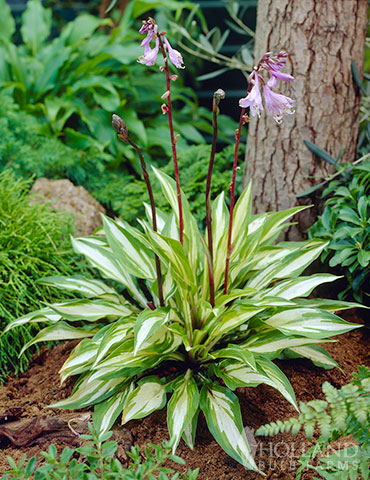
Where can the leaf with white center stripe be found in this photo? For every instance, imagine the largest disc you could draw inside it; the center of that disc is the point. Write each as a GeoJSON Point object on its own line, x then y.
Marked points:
{"type": "Point", "coordinates": [274, 342]}
{"type": "Point", "coordinates": [103, 259]}
{"type": "Point", "coordinates": [115, 335]}
{"type": "Point", "coordinates": [87, 393]}
{"type": "Point", "coordinates": [61, 331]}
{"type": "Point", "coordinates": [161, 216]}
{"type": "Point", "coordinates": [291, 266]}
{"type": "Point", "coordinates": [277, 379]}
{"type": "Point", "coordinates": [149, 396]}
{"type": "Point", "coordinates": [147, 323]}
{"type": "Point", "coordinates": [300, 287]}
{"type": "Point", "coordinates": [86, 287]}
{"type": "Point", "coordinates": [329, 305]}
{"type": "Point", "coordinates": [133, 254]}
{"type": "Point", "coordinates": [81, 359]}
{"type": "Point", "coordinates": [232, 318]}
{"type": "Point", "coordinates": [190, 431]}
{"type": "Point", "coordinates": [274, 222]}
{"type": "Point", "coordinates": [242, 214]}
{"type": "Point", "coordinates": [309, 322]}
{"type": "Point", "coordinates": [316, 354]}
{"type": "Point", "coordinates": [222, 411]}
{"type": "Point", "coordinates": [43, 315]}
{"type": "Point", "coordinates": [182, 407]}
{"type": "Point", "coordinates": [90, 310]}
{"type": "Point", "coordinates": [235, 352]}
{"type": "Point", "coordinates": [107, 412]}
{"type": "Point", "coordinates": [220, 219]}
{"type": "Point", "coordinates": [237, 375]}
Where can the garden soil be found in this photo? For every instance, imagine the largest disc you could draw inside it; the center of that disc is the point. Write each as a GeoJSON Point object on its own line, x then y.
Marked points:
{"type": "Point", "coordinates": [27, 396]}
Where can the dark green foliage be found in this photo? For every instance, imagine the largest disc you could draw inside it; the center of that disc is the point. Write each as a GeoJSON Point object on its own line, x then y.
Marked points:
{"type": "Point", "coordinates": [345, 223]}
{"type": "Point", "coordinates": [34, 242]}
{"type": "Point", "coordinates": [98, 462]}
{"type": "Point", "coordinates": [345, 411]}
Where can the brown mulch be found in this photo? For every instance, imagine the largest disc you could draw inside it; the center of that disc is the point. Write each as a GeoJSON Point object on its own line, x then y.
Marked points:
{"type": "Point", "coordinates": [25, 399]}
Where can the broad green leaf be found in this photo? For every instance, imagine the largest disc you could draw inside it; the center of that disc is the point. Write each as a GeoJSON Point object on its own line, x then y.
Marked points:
{"type": "Point", "coordinates": [60, 331]}
{"type": "Point", "coordinates": [7, 23]}
{"type": "Point", "coordinates": [89, 310]}
{"type": "Point", "coordinates": [299, 287]}
{"type": "Point", "coordinates": [309, 322]}
{"type": "Point", "coordinates": [182, 407]}
{"type": "Point", "coordinates": [86, 287]}
{"type": "Point", "coordinates": [149, 396]}
{"type": "Point", "coordinates": [147, 323]}
{"type": "Point", "coordinates": [222, 411]}
{"type": "Point", "coordinates": [135, 256]}
{"type": "Point", "coordinates": [88, 392]}
{"type": "Point", "coordinates": [36, 25]}
{"type": "Point", "coordinates": [83, 26]}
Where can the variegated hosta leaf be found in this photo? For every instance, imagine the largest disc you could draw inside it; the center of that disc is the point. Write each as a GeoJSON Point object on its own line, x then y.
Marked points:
{"type": "Point", "coordinates": [277, 379]}
{"type": "Point", "coordinates": [88, 392]}
{"type": "Point", "coordinates": [147, 323]}
{"type": "Point", "coordinates": [103, 259]}
{"type": "Point", "coordinates": [291, 266]}
{"type": "Point", "coordinates": [309, 322]}
{"type": "Point", "coordinates": [81, 359]}
{"type": "Point", "coordinates": [222, 411]}
{"type": "Point", "coordinates": [190, 431]}
{"type": "Point", "coordinates": [114, 336]}
{"type": "Point", "coordinates": [329, 305]}
{"type": "Point", "coordinates": [317, 354]}
{"type": "Point", "coordinates": [299, 287]}
{"type": "Point", "coordinates": [220, 221]}
{"type": "Point", "coordinates": [43, 315]}
{"type": "Point", "coordinates": [90, 310]}
{"type": "Point", "coordinates": [61, 331]}
{"type": "Point", "coordinates": [107, 412]}
{"type": "Point", "coordinates": [85, 286]}
{"type": "Point", "coordinates": [172, 252]}
{"type": "Point", "coordinates": [133, 254]}
{"type": "Point", "coordinates": [274, 222]}
{"type": "Point", "coordinates": [191, 231]}
{"type": "Point", "coordinates": [149, 396]}
{"type": "Point", "coordinates": [273, 342]}
{"type": "Point", "coordinates": [242, 214]}
{"type": "Point", "coordinates": [236, 352]}
{"type": "Point", "coordinates": [161, 216]}
{"type": "Point", "coordinates": [182, 407]}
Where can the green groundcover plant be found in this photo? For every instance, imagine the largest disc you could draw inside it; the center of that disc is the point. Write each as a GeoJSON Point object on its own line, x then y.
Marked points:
{"type": "Point", "coordinates": [196, 316]}
{"type": "Point", "coordinates": [34, 241]}
{"type": "Point", "coordinates": [345, 223]}
{"type": "Point", "coordinates": [345, 411]}
{"type": "Point", "coordinates": [98, 462]}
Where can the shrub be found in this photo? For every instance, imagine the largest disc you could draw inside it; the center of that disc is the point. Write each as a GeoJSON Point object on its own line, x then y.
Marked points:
{"type": "Point", "coordinates": [345, 411]}
{"type": "Point", "coordinates": [34, 241]}
{"type": "Point", "coordinates": [98, 463]}
{"type": "Point", "coordinates": [345, 224]}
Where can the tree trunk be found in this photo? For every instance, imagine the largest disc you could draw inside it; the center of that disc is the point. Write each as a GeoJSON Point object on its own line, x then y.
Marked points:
{"type": "Point", "coordinates": [322, 38]}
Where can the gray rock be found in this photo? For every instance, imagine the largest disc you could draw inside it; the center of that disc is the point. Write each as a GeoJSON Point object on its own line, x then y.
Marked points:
{"type": "Point", "coordinates": [63, 195]}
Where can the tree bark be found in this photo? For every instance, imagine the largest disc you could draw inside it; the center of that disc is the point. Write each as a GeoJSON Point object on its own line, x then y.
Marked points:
{"type": "Point", "coordinates": [322, 37]}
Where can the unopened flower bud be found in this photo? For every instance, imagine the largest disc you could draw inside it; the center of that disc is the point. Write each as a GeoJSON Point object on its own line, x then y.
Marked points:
{"type": "Point", "coordinates": [166, 94]}
{"type": "Point", "coordinates": [174, 77]}
{"type": "Point", "coordinates": [120, 127]}
{"type": "Point", "coordinates": [164, 108]}
{"type": "Point", "coordinates": [219, 95]}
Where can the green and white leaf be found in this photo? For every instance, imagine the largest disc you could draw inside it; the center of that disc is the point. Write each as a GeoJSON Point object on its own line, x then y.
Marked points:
{"type": "Point", "coordinates": [182, 407]}
{"type": "Point", "coordinates": [147, 323]}
{"type": "Point", "coordinates": [43, 315]}
{"type": "Point", "coordinates": [149, 396]}
{"type": "Point", "coordinates": [222, 411]}
{"type": "Point", "coordinates": [107, 412]}
{"type": "Point", "coordinates": [299, 287]}
{"type": "Point", "coordinates": [90, 310]}
{"type": "Point", "coordinates": [317, 354]}
{"type": "Point", "coordinates": [86, 287]}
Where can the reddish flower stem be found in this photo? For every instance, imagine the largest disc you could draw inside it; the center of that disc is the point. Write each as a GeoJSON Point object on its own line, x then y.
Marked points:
{"type": "Point", "coordinates": [154, 216]}
{"type": "Point", "coordinates": [173, 140]}
{"type": "Point", "coordinates": [232, 199]}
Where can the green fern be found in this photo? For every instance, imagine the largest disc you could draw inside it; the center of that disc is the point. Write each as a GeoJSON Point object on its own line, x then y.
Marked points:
{"type": "Point", "coordinates": [344, 411]}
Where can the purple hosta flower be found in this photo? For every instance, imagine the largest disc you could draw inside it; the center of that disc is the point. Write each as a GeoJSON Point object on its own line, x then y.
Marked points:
{"type": "Point", "coordinates": [150, 54]}
{"type": "Point", "coordinates": [253, 99]}
{"type": "Point", "coordinates": [276, 104]}
{"type": "Point", "coordinates": [174, 55]}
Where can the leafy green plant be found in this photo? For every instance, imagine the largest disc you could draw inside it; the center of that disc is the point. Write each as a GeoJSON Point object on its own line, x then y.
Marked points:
{"type": "Point", "coordinates": [345, 411]}
{"type": "Point", "coordinates": [345, 223]}
{"type": "Point", "coordinates": [98, 462]}
{"type": "Point", "coordinates": [75, 81]}
{"type": "Point", "coordinates": [194, 316]}
{"type": "Point", "coordinates": [34, 241]}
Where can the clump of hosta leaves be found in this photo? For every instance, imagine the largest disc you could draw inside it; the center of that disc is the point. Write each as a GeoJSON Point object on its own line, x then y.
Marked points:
{"type": "Point", "coordinates": [98, 462]}
{"type": "Point", "coordinates": [136, 356]}
{"type": "Point", "coordinates": [345, 411]}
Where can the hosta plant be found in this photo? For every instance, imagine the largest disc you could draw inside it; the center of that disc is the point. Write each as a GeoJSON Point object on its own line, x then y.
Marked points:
{"type": "Point", "coordinates": [193, 316]}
